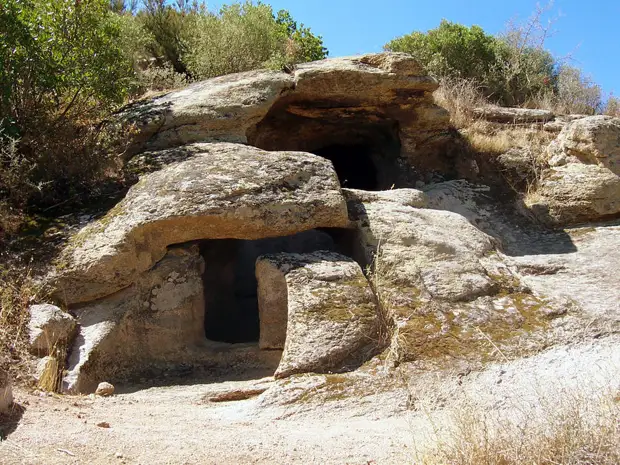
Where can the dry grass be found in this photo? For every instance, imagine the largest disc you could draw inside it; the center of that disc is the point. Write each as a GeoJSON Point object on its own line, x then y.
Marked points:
{"type": "Point", "coordinates": [572, 428]}
{"type": "Point", "coordinates": [460, 97]}
{"type": "Point", "coordinates": [18, 290]}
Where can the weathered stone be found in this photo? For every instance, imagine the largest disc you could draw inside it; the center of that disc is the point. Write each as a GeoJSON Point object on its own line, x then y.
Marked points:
{"type": "Point", "coordinates": [6, 393]}
{"type": "Point", "coordinates": [375, 100]}
{"type": "Point", "coordinates": [220, 191]}
{"type": "Point", "coordinates": [49, 327]}
{"type": "Point", "coordinates": [217, 110]}
{"type": "Point", "coordinates": [159, 320]}
{"type": "Point", "coordinates": [440, 279]}
{"type": "Point", "coordinates": [591, 140]}
{"type": "Point", "coordinates": [438, 251]}
{"type": "Point", "coordinates": [409, 197]}
{"type": "Point", "coordinates": [575, 193]}
{"type": "Point", "coordinates": [560, 122]}
{"type": "Point", "coordinates": [104, 389]}
{"type": "Point", "coordinates": [513, 115]}
{"type": "Point", "coordinates": [518, 165]}
{"type": "Point", "coordinates": [321, 306]}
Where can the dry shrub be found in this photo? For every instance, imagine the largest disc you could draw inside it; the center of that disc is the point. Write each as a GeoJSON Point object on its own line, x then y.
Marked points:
{"type": "Point", "coordinates": [18, 290]}
{"type": "Point", "coordinates": [460, 97]}
{"type": "Point", "coordinates": [577, 429]}
{"type": "Point", "coordinates": [496, 139]}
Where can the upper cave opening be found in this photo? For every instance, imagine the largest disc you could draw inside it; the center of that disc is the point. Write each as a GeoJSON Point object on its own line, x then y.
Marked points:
{"type": "Point", "coordinates": [363, 146]}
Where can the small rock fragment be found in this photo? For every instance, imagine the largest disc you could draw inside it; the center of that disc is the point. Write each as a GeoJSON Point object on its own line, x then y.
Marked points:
{"type": "Point", "coordinates": [103, 424]}
{"type": "Point", "coordinates": [104, 389]}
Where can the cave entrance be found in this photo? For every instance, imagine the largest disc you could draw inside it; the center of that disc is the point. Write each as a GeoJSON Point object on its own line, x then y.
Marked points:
{"type": "Point", "coordinates": [230, 286]}
{"type": "Point", "coordinates": [363, 147]}
{"type": "Point", "coordinates": [353, 164]}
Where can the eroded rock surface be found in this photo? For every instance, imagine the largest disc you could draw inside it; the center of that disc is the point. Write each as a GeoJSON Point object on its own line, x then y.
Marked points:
{"type": "Point", "coordinates": [381, 101]}
{"type": "Point", "coordinates": [591, 140]}
{"type": "Point", "coordinates": [219, 191]}
{"type": "Point", "coordinates": [513, 115]}
{"type": "Point", "coordinates": [48, 328]}
{"type": "Point", "coordinates": [575, 193]}
{"type": "Point", "coordinates": [319, 307]}
{"type": "Point", "coordinates": [442, 279]}
{"type": "Point", "coordinates": [157, 321]}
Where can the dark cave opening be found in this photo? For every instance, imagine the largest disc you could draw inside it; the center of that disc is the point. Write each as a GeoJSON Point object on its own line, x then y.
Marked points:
{"type": "Point", "coordinates": [364, 147]}
{"type": "Point", "coordinates": [230, 285]}
{"type": "Point", "coordinates": [353, 164]}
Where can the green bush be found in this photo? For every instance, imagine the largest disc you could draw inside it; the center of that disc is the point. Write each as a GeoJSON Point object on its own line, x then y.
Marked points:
{"type": "Point", "coordinates": [200, 44]}
{"type": "Point", "coordinates": [61, 70]}
{"type": "Point", "coordinates": [509, 70]}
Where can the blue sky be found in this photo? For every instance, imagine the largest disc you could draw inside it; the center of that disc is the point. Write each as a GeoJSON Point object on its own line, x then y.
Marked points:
{"type": "Point", "coordinates": [588, 31]}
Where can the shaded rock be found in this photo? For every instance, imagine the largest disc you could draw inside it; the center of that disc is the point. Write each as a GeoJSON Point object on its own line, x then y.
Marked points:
{"type": "Point", "coordinates": [6, 393]}
{"type": "Point", "coordinates": [575, 193]}
{"type": "Point", "coordinates": [104, 389]}
{"type": "Point", "coordinates": [591, 140]}
{"type": "Point", "coordinates": [513, 115]}
{"type": "Point", "coordinates": [157, 321]}
{"type": "Point", "coordinates": [220, 191]}
{"type": "Point", "coordinates": [321, 306]}
{"type": "Point", "coordinates": [49, 327]}
{"type": "Point", "coordinates": [518, 165]}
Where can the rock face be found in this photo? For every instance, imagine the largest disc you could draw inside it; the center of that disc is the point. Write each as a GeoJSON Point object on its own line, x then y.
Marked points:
{"type": "Point", "coordinates": [319, 307]}
{"type": "Point", "coordinates": [594, 140]}
{"type": "Point", "coordinates": [49, 327]}
{"type": "Point", "coordinates": [6, 393]}
{"type": "Point", "coordinates": [218, 191]}
{"type": "Point", "coordinates": [575, 193]}
{"type": "Point", "coordinates": [379, 101]}
{"type": "Point", "coordinates": [513, 115]}
{"type": "Point", "coordinates": [583, 183]}
{"type": "Point", "coordinates": [439, 277]}
{"type": "Point", "coordinates": [159, 320]}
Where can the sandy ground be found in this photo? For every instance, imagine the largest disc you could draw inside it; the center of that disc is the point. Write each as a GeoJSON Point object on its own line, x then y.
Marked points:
{"type": "Point", "coordinates": [306, 421]}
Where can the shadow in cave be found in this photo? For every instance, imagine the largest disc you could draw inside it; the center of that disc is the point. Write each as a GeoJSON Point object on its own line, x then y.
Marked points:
{"type": "Point", "coordinates": [353, 164]}
{"type": "Point", "coordinates": [230, 285]}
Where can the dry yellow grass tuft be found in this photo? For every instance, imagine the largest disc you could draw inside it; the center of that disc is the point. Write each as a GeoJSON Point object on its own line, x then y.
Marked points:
{"type": "Point", "coordinates": [579, 430]}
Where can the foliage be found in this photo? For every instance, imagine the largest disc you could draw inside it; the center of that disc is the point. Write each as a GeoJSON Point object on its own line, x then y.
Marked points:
{"type": "Point", "coordinates": [61, 69]}
{"type": "Point", "coordinates": [451, 50]}
{"type": "Point", "coordinates": [508, 69]}
{"type": "Point", "coordinates": [612, 107]}
{"type": "Point", "coordinates": [199, 44]}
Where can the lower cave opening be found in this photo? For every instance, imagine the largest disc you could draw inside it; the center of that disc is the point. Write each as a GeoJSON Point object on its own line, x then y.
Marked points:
{"type": "Point", "coordinates": [230, 285]}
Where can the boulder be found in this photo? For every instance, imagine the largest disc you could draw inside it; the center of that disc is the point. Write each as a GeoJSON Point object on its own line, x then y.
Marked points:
{"type": "Point", "coordinates": [221, 109]}
{"type": "Point", "coordinates": [6, 393]}
{"type": "Point", "coordinates": [377, 100]}
{"type": "Point", "coordinates": [440, 279]}
{"type": "Point", "coordinates": [560, 121]}
{"type": "Point", "coordinates": [158, 321]}
{"type": "Point", "coordinates": [513, 115]}
{"type": "Point", "coordinates": [217, 191]}
{"type": "Point", "coordinates": [575, 193]}
{"type": "Point", "coordinates": [104, 389]}
{"type": "Point", "coordinates": [319, 308]}
{"type": "Point", "coordinates": [49, 327]}
{"type": "Point", "coordinates": [591, 140]}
